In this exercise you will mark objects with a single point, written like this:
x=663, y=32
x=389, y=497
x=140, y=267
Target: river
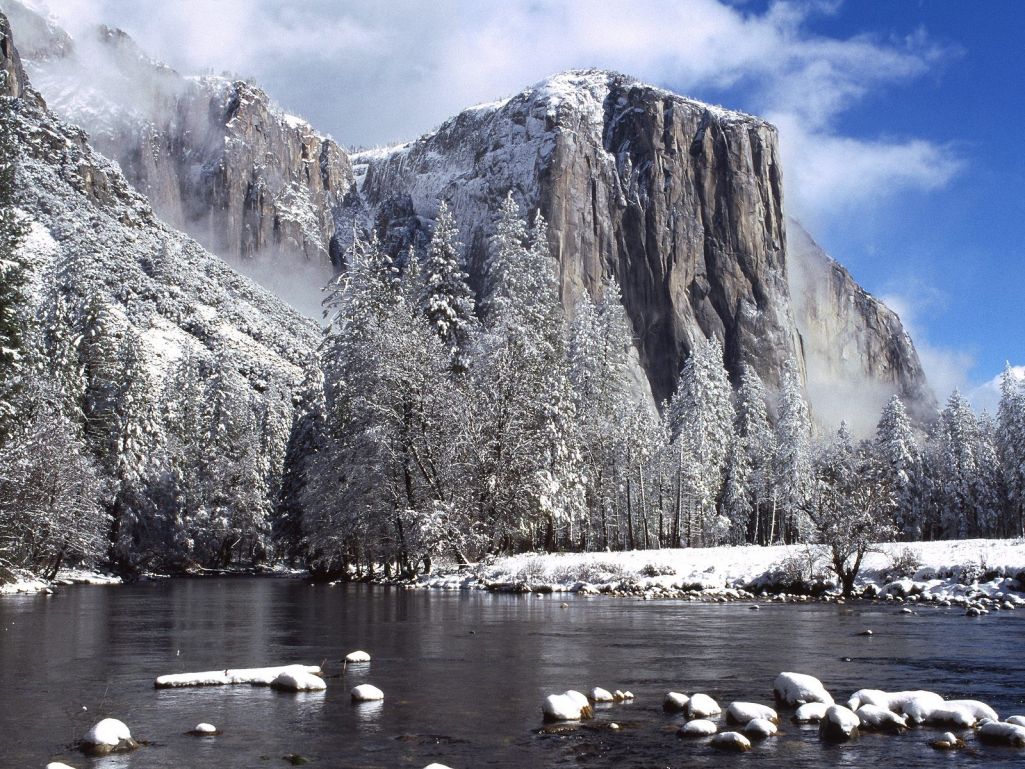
x=464, y=675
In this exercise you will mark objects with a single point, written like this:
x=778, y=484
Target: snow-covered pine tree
x=793, y=462
x=988, y=492
x=446, y=298
x=15, y=312
x=701, y=415
x=756, y=440
x=959, y=443
x=1010, y=446
x=898, y=448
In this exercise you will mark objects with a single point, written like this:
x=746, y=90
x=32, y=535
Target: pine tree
x=15, y=313
x=1010, y=447
x=756, y=441
x=959, y=446
x=792, y=466
x=446, y=298
x=701, y=415
x=897, y=446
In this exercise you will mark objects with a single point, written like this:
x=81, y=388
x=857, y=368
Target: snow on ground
x=958, y=571
x=24, y=582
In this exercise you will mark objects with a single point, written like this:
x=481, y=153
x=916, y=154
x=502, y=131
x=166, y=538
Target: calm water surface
x=464, y=675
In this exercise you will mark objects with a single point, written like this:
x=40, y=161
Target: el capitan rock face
x=678, y=201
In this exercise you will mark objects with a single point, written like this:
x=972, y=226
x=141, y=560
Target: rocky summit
x=680, y=202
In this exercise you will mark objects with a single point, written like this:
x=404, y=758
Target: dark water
x=464, y=675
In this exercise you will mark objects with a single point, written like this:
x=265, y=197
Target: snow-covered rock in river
x=204, y=730
x=956, y=713
x=742, y=712
x=810, y=712
x=702, y=706
x=1002, y=733
x=674, y=702
x=947, y=741
x=58, y=765
x=895, y=701
x=699, y=727
x=794, y=689
x=357, y=656
x=760, y=728
x=877, y=718
x=108, y=736
x=298, y=680
x=839, y=724
x=1016, y=720
x=571, y=705
x=731, y=741
x=601, y=695
x=254, y=676
x=366, y=693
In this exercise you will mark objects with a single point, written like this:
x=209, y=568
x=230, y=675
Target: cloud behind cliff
x=372, y=72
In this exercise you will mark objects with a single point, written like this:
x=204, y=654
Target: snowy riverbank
x=961, y=572
x=25, y=582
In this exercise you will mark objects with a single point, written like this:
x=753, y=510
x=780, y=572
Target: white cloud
x=375, y=72
x=987, y=395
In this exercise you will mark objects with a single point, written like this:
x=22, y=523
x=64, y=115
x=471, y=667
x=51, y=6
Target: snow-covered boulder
x=571, y=705
x=760, y=728
x=58, y=765
x=366, y=693
x=1016, y=720
x=742, y=712
x=108, y=736
x=978, y=709
x=1002, y=733
x=621, y=696
x=601, y=695
x=357, y=656
x=204, y=730
x=731, y=741
x=878, y=718
x=699, y=727
x=702, y=706
x=798, y=688
x=839, y=724
x=962, y=714
x=674, y=702
x=868, y=697
x=254, y=676
x=437, y=766
x=810, y=712
x=947, y=741
x=298, y=680
x=918, y=705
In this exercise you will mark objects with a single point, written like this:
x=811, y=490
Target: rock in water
x=674, y=702
x=760, y=728
x=810, y=712
x=298, y=681
x=743, y=712
x=876, y=718
x=798, y=688
x=601, y=695
x=734, y=742
x=839, y=724
x=204, y=730
x=357, y=656
x=947, y=741
x=997, y=733
x=108, y=736
x=366, y=693
x=699, y=727
x=702, y=706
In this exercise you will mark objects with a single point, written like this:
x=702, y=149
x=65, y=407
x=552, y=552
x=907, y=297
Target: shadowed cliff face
x=680, y=202
x=214, y=155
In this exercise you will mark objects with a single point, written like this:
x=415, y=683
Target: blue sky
x=900, y=121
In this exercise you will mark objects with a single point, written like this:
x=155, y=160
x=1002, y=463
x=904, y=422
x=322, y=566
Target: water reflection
x=464, y=674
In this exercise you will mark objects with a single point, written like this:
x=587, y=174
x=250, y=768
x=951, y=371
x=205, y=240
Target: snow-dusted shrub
x=971, y=572
x=657, y=570
x=904, y=564
x=798, y=571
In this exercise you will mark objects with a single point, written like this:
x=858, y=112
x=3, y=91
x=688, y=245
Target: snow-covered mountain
x=212, y=154
x=679, y=201
x=108, y=274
